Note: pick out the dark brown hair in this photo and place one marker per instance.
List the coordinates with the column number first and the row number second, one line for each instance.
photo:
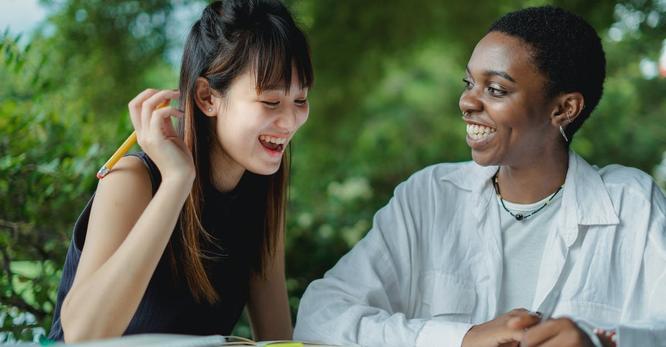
column 231, row 37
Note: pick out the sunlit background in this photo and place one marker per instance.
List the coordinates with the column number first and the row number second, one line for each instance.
column 388, row 78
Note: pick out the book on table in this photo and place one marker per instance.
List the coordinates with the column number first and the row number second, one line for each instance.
column 175, row 340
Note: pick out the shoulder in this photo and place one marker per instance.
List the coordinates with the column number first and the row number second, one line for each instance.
column 631, row 185
column 121, row 195
column 433, row 178
column 438, row 172
column 637, row 195
column 427, row 190
column 616, row 176
column 128, row 178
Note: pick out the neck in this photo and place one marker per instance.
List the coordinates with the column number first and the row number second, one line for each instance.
column 535, row 180
column 225, row 173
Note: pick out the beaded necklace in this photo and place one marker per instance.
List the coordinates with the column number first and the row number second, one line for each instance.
column 520, row 216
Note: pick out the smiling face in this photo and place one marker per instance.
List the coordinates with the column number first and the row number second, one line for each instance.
column 253, row 129
column 504, row 104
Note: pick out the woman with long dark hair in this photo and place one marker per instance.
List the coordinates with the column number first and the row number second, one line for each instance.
column 181, row 236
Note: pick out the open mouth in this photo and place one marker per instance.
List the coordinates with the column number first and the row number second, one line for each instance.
column 479, row 132
column 274, row 144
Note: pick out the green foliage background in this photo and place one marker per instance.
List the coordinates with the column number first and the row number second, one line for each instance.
column 388, row 77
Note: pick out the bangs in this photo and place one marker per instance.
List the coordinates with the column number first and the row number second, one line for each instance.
column 275, row 52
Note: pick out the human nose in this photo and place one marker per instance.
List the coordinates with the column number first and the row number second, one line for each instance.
column 469, row 102
column 291, row 119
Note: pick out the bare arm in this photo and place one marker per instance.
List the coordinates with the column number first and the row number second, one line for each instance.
column 268, row 305
column 127, row 234
column 127, row 230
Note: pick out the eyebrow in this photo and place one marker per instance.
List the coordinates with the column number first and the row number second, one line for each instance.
column 495, row 73
column 278, row 89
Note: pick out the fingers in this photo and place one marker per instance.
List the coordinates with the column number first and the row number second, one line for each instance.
column 540, row 334
column 504, row 331
column 143, row 104
column 135, row 107
column 565, row 338
column 161, row 121
column 510, row 327
column 555, row 332
column 524, row 320
column 152, row 102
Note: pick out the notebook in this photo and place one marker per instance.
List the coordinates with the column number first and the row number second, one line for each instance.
column 175, row 340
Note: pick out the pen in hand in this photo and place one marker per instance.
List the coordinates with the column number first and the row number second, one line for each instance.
column 122, row 150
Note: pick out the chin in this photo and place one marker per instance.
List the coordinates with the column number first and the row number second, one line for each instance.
column 264, row 169
column 483, row 160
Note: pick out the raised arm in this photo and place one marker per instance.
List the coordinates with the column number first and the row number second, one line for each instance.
column 127, row 230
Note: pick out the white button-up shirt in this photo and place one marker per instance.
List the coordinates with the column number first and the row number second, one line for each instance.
column 431, row 266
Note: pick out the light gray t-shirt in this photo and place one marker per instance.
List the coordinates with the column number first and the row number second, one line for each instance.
column 523, row 245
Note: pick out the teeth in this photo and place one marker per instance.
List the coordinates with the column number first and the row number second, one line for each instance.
column 478, row 131
column 276, row 140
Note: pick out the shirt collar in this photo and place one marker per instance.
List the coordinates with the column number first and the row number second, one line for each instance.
column 584, row 191
column 475, row 178
column 470, row 176
column 585, row 200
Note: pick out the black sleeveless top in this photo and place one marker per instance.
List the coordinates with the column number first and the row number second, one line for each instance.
column 236, row 221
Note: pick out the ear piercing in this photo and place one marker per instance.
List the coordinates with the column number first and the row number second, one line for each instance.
column 210, row 109
column 566, row 139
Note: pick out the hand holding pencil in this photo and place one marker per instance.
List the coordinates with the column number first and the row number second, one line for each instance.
column 153, row 130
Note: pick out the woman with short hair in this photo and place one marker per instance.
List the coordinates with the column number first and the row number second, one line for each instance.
column 528, row 243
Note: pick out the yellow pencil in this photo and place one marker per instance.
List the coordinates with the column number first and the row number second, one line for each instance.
column 122, row 150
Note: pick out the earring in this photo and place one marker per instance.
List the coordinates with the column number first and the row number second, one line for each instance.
column 210, row 109
column 563, row 134
column 566, row 139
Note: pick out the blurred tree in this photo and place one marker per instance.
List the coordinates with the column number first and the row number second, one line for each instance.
column 100, row 52
column 44, row 179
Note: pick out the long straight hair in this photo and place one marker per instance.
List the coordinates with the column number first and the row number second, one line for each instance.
column 231, row 37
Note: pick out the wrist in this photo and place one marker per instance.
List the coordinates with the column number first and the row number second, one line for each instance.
column 178, row 182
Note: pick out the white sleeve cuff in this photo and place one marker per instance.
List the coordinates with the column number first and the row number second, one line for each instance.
column 442, row 334
column 636, row 336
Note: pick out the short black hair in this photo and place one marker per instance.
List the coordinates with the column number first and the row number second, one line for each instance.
column 565, row 48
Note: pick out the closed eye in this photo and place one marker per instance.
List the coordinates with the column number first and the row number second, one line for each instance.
column 301, row 102
column 271, row 104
